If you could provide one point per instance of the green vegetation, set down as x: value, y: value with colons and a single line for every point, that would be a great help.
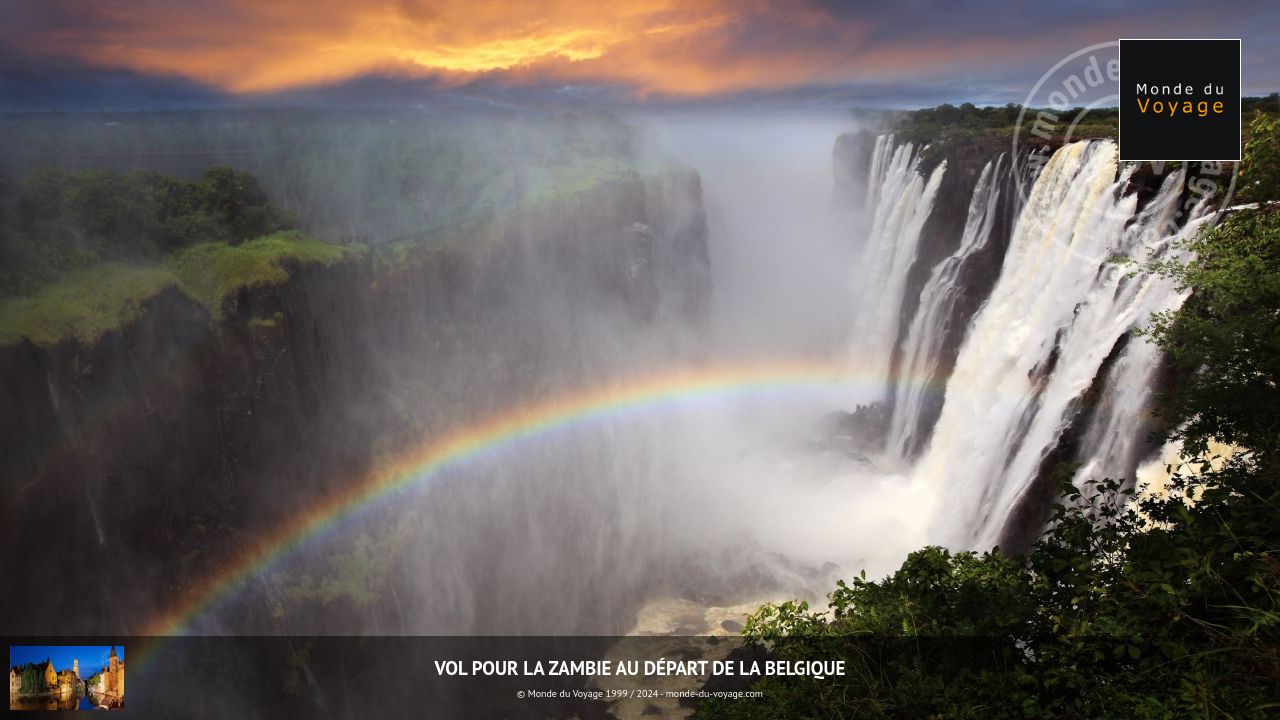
x: 212, y: 272
x: 1227, y: 337
x: 54, y: 221
x: 84, y: 251
x: 967, y: 121
x: 1261, y: 159
x: 379, y: 176
x: 84, y: 305
x: 360, y: 577
x: 1159, y: 604
x: 947, y: 126
x: 87, y: 302
x: 33, y: 681
x: 81, y: 251
x: 92, y: 301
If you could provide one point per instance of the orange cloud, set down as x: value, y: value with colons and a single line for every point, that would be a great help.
x: 663, y: 48
x: 654, y: 46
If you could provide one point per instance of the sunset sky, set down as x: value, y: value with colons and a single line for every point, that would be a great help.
x: 124, y: 54
x: 92, y: 657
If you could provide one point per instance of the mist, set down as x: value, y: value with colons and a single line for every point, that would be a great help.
x: 732, y: 499
x: 735, y: 498
x: 781, y: 269
x: 490, y: 263
x: 705, y: 333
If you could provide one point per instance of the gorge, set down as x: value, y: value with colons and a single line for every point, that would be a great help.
x: 747, y: 366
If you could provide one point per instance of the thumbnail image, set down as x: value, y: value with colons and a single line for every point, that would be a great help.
x: 66, y: 677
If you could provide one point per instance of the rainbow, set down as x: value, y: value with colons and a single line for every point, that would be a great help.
x: 428, y: 459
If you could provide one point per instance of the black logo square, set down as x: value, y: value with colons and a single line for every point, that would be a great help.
x: 1180, y: 100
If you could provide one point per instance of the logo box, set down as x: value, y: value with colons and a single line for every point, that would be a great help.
x: 1179, y: 100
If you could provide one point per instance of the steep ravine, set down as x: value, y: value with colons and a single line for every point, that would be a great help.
x: 140, y: 461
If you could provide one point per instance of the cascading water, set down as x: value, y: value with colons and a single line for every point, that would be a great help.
x: 899, y: 203
x: 1117, y: 433
x: 1117, y: 437
x: 919, y: 372
x: 1057, y: 311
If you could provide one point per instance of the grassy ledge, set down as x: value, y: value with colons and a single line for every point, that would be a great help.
x: 211, y: 272
x: 84, y: 305
x: 90, y: 302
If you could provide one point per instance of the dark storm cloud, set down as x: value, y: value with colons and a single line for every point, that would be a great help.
x: 37, y: 84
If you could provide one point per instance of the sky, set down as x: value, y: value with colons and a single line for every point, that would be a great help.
x: 92, y: 657
x: 144, y: 54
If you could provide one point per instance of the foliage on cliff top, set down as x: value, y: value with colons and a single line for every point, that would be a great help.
x: 54, y: 221
x: 384, y: 176
x: 1163, y: 605
x: 946, y: 126
x: 81, y: 252
x: 212, y: 272
x: 943, y: 121
x: 89, y: 302
x: 84, y: 305
x: 67, y: 233
x: 1260, y: 166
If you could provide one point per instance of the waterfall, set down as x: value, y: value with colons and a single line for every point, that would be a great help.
x: 1057, y: 311
x: 1118, y: 435
x: 918, y: 373
x: 1114, y: 441
x: 899, y: 202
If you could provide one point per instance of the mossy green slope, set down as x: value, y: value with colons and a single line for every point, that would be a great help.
x: 84, y: 305
x: 211, y: 272
x: 90, y: 302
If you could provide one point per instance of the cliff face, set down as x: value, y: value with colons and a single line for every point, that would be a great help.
x: 133, y: 465
x: 940, y: 237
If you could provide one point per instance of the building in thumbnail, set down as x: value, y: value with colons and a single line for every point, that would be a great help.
x: 111, y: 681
x: 43, y: 679
x: 69, y: 679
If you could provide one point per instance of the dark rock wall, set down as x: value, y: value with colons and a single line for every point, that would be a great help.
x: 940, y: 237
x: 132, y: 467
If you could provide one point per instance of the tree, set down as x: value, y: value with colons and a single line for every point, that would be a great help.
x: 1225, y: 338
x: 56, y: 221
x: 237, y: 202
x: 1260, y: 166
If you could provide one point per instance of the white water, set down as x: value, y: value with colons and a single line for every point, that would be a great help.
x: 918, y: 374
x: 1118, y: 435
x: 899, y: 203
x: 1055, y: 314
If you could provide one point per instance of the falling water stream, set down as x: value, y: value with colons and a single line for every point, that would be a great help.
x: 920, y: 352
